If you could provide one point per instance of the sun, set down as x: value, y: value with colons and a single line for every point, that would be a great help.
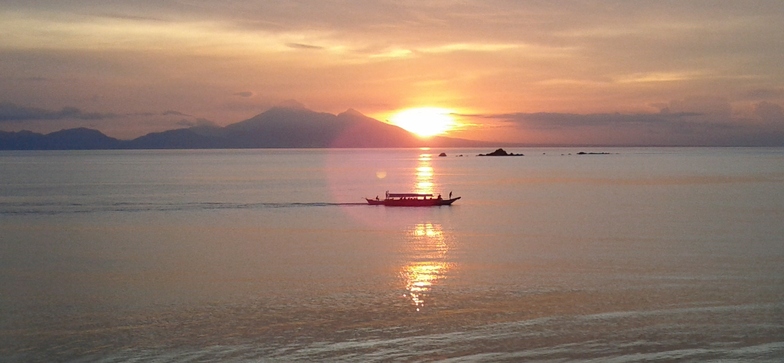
x: 424, y: 121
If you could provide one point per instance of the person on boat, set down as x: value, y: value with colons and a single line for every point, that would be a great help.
x: 450, y: 195
x: 377, y: 197
x: 439, y: 197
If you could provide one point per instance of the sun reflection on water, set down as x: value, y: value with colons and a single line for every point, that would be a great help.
x: 424, y: 175
x: 428, y: 262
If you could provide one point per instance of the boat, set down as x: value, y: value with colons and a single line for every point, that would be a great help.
x: 411, y: 200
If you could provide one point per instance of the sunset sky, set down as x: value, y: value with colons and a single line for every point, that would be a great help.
x: 538, y: 72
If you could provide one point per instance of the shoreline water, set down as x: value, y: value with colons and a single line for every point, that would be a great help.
x: 644, y: 254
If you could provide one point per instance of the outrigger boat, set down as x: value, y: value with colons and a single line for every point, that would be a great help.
x: 411, y: 200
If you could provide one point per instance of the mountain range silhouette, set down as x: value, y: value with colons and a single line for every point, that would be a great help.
x: 288, y: 125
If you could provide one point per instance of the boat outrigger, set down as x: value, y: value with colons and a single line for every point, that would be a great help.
x: 412, y: 200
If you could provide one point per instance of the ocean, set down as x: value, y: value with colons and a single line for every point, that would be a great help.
x: 631, y: 255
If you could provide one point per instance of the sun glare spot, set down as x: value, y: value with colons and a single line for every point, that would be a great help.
x: 425, y: 121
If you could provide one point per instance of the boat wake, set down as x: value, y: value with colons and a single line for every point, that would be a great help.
x: 53, y: 208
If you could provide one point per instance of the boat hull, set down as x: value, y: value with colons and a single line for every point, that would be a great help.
x: 411, y: 202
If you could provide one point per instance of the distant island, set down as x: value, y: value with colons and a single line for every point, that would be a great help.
x: 285, y: 126
x: 500, y: 152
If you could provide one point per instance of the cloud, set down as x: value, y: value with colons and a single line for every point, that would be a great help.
x: 770, y: 112
x: 706, y: 105
x: 143, y: 18
x: 199, y: 122
x: 551, y: 121
x: 765, y: 93
x: 10, y: 112
x: 244, y: 94
x: 174, y: 113
x: 664, y: 128
x: 303, y: 46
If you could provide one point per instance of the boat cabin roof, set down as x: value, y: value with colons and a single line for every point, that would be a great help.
x: 408, y: 195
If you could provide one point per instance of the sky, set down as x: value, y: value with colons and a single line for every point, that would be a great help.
x: 535, y: 72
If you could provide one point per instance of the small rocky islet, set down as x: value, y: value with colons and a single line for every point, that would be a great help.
x: 500, y: 152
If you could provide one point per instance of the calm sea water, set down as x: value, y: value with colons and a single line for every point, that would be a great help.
x: 653, y: 254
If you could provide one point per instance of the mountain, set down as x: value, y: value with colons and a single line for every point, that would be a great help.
x: 71, y: 139
x: 297, y: 127
x: 289, y: 125
x: 190, y: 138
